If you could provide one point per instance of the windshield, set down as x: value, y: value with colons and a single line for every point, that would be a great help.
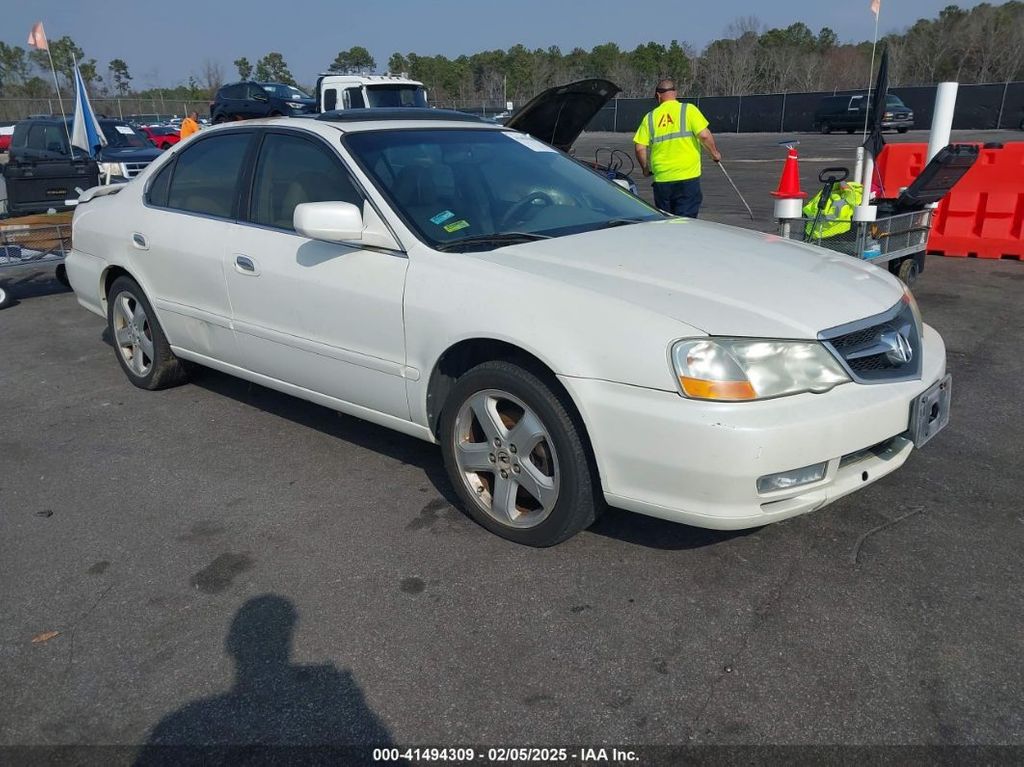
x: 396, y: 96
x: 470, y: 184
x: 894, y: 101
x: 121, y: 135
x: 285, y: 91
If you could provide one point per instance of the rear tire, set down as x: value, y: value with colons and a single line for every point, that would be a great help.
x: 140, y: 345
x: 5, y: 298
x: 61, y: 273
x: 825, y: 128
x: 902, y: 130
x: 538, y: 492
x: 850, y: 130
x: 219, y: 119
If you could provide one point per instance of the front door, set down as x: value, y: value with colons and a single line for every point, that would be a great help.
x: 323, y: 316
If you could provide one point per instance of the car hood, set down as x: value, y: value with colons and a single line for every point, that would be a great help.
x: 127, y: 154
x: 719, y: 279
x: 558, y: 115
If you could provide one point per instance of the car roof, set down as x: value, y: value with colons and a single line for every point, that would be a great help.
x: 367, y: 120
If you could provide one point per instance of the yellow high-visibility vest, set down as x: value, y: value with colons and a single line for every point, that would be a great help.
x: 670, y: 132
x: 838, y: 213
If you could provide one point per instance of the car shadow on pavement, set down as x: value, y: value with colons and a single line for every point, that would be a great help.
x: 615, y: 523
x: 654, y: 533
x: 379, y: 439
x: 276, y: 711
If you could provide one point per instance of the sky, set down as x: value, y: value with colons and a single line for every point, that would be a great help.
x: 165, y: 42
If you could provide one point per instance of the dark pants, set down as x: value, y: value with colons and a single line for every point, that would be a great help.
x: 680, y: 198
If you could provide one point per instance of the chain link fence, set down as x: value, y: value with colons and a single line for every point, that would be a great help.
x: 150, y: 109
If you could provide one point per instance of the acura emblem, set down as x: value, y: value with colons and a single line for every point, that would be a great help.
x: 900, y: 352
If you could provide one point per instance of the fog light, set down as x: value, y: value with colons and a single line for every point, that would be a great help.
x: 786, y: 480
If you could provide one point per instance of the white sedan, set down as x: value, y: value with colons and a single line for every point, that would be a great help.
x: 566, y: 344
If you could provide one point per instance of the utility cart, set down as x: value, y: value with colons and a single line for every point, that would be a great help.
x: 33, y: 241
x: 898, y: 235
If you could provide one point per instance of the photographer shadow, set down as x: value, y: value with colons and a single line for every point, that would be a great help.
x: 276, y: 709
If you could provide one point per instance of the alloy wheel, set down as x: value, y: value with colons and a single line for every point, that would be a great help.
x: 506, y: 458
x: 133, y: 334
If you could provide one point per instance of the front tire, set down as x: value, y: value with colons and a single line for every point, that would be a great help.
x: 825, y: 128
x: 517, y: 456
x: 140, y: 345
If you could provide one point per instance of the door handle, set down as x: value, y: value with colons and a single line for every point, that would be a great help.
x: 245, y: 265
x: 139, y: 241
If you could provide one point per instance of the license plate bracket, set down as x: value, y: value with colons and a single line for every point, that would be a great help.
x: 929, y: 412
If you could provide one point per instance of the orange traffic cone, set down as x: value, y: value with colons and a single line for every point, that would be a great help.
x: 789, y: 184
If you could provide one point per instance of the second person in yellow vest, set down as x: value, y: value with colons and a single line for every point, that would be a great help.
x: 668, y: 144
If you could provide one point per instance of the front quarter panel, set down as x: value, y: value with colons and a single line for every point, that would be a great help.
x: 452, y: 297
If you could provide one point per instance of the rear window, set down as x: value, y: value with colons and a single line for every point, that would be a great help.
x: 396, y: 96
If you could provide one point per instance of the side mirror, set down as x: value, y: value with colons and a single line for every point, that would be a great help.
x: 329, y: 221
x: 342, y: 222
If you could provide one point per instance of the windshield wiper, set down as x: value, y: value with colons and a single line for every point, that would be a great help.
x: 500, y: 238
x: 620, y: 222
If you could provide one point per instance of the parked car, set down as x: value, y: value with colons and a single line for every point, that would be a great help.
x: 6, y: 131
x: 848, y: 113
x: 43, y: 170
x: 565, y: 343
x: 162, y: 136
x: 245, y: 100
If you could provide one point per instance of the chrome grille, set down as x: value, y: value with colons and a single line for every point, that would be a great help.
x: 132, y: 169
x: 879, y: 349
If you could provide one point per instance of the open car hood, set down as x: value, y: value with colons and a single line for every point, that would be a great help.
x: 558, y: 115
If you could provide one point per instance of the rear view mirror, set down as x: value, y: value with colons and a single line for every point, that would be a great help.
x: 329, y: 221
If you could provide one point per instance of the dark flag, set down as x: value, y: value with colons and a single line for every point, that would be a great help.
x: 874, y: 142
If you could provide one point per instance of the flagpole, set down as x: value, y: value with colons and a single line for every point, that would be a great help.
x: 56, y: 87
x: 871, y: 72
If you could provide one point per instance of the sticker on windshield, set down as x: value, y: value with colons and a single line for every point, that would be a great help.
x: 125, y: 130
x: 441, y: 217
x: 455, y: 226
x: 531, y: 142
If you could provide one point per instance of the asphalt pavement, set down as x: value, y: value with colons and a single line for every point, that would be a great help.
x: 226, y: 563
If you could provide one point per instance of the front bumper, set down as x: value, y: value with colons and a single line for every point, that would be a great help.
x: 893, y: 124
x: 698, y: 462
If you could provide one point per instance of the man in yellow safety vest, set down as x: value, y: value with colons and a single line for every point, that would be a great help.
x: 668, y: 144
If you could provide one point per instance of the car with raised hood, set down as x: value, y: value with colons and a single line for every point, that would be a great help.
x: 558, y: 115
x: 567, y: 345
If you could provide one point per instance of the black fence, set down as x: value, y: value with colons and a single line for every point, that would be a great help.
x: 978, y: 107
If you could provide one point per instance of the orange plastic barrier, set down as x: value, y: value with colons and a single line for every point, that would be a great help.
x: 983, y: 216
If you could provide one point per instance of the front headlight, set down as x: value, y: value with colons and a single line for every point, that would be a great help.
x: 735, y: 369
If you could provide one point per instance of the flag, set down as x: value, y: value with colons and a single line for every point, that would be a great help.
x: 876, y: 6
x: 86, y: 132
x: 874, y: 141
x: 37, y: 37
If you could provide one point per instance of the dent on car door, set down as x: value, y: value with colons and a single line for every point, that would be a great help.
x: 178, y: 239
x: 323, y: 316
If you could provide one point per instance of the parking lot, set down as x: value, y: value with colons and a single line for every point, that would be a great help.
x: 172, y: 538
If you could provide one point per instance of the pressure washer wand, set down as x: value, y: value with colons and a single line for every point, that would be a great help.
x: 736, y: 189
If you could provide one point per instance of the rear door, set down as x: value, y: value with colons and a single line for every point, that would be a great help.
x: 323, y: 316
x: 179, y: 237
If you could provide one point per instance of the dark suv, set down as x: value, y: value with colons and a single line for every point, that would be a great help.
x: 241, y: 101
x: 44, y: 169
x: 848, y: 113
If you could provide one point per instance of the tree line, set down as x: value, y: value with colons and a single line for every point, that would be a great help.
x: 981, y: 44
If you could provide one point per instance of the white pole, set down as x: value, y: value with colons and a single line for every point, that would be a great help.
x: 63, y: 117
x: 858, y: 170
x: 942, y: 117
x: 871, y: 72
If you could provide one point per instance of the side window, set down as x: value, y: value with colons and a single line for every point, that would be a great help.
x: 206, y: 175
x: 160, y: 186
x: 234, y: 92
x: 292, y: 170
x: 352, y: 98
x: 330, y: 99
